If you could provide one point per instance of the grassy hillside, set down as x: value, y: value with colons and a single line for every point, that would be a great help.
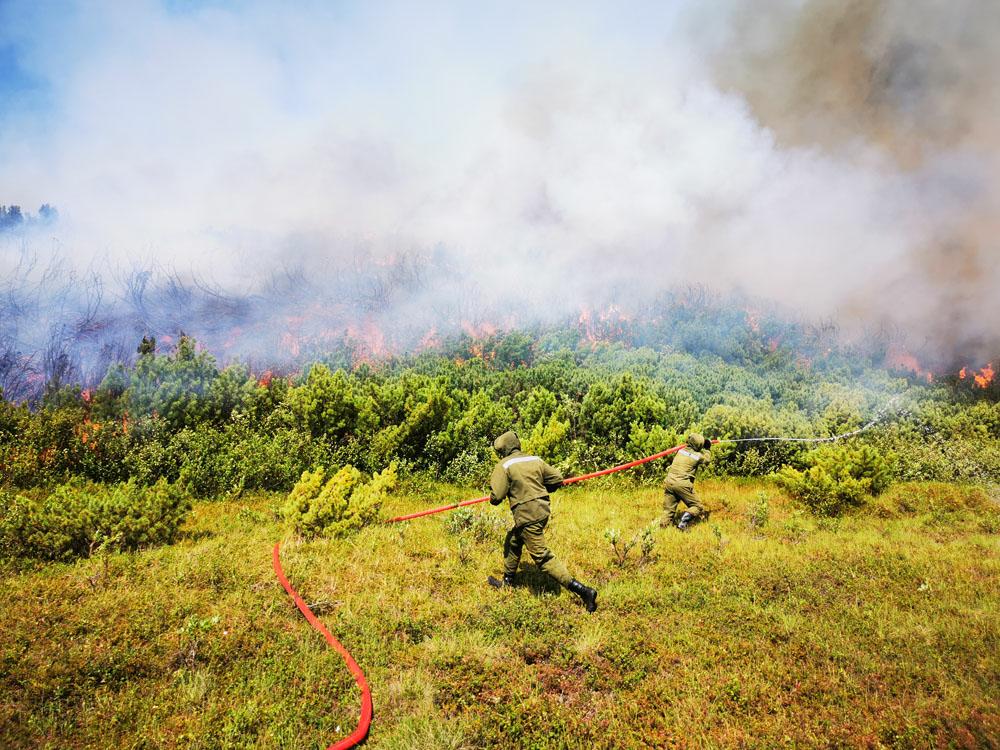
x: 762, y: 627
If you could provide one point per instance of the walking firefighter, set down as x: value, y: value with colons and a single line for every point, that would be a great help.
x: 678, y: 487
x: 526, y: 482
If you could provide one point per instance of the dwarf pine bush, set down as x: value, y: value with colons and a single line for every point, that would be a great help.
x: 838, y: 477
x: 339, y: 505
x: 77, y: 518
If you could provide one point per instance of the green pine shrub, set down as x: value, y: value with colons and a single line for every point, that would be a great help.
x: 463, y: 442
x: 77, y: 518
x: 744, y: 418
x: 549, y: 439
x: 337, y: 506
x: 176, y: 387
x: 838, y: 477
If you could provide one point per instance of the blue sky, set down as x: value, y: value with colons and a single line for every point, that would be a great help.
x: 19, y: 90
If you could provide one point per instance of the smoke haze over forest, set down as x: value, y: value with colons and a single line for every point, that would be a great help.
x: 243, y: 169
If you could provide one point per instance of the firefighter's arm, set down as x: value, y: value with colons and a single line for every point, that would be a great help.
x: 499, y: 485
x: 551, y: 478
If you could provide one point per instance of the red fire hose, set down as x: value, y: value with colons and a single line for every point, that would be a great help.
x: 361, y: 731
x: 571, y: 480
x: 364, y: 722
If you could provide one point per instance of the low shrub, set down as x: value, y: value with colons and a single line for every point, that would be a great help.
x: 338, y: 506
x: 838, y: 477
x: 481, y: 526
x: 758, y: 513
x: 77, y: 518
x: 934, y: 498
x: 620, y: 548
x: 214, y: 462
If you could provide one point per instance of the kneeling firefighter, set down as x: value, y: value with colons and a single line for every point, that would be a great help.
x: 679, y: 484
x: 527, y: 482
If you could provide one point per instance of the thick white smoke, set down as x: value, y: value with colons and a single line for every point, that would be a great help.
x: 838, y: 157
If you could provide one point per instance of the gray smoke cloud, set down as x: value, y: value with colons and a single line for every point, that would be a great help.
x: 426, y: 165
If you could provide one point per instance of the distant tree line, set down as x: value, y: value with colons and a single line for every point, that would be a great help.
x: 12, y: 217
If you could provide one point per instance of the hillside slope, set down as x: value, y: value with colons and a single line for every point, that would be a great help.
x: 762, y: 627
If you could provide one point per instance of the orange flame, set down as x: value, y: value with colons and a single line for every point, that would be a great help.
x: 609, y: 324
x: 87, y: 430
x: 981, y: 379
x: 480, y: 330
x: 900, y: 359
x: 430, y: 341
x: 369, y: 340
x: 985, y: 376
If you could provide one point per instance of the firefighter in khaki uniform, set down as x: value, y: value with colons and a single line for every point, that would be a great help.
x: 527, y: 482
x: 679, y: 484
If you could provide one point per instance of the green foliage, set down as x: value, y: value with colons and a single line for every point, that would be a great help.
x: 645, y: 441
x: 612, y: 411
x: 480, y: 526
x: 588, y: 406
x: 463, y: 445
x: 328, y: 405
x: 758, y: 513
x: 427, y: 413
x: 180, y: 388
x: 539, y: 406
x: 236, y: 458
x: 549, y: 439
x: 338, y: 506
x: 743, y: 418
x: 77, y: 518
x: 838, y: 477
x: 621, y: 549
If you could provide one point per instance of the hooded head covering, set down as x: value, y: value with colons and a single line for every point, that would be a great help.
x: 697, y: 441
x: 506, y: 444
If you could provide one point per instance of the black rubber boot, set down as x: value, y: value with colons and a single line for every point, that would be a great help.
x: 507, y: 582
x: 586, y: 593
x: 686, y: 520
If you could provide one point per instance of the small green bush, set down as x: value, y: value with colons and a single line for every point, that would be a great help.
x: 758, y: 513
x: 78, y: 518
x: 838, y: 477
x: 338, y: 506
x: 482, y: 527
x: 620, y: 548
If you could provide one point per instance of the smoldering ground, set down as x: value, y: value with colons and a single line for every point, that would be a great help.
x: 335, y: 168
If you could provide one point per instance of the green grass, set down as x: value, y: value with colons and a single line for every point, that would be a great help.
x: 881, y: 629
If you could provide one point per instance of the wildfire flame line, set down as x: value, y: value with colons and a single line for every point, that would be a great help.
x: 983, y: 378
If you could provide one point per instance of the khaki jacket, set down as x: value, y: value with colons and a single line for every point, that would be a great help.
x: 685, y: 463
x: 521, y: 479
